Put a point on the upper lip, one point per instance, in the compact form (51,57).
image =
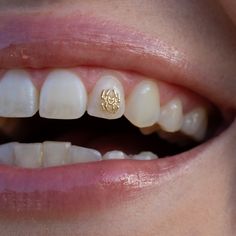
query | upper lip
(50,41)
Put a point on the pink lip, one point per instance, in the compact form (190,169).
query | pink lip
(39,41)
(45,41)
(65,191)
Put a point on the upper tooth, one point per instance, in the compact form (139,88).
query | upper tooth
(63,96)
(171,116)
(18,95)
(80,154)
(7,154)
(144,156)
(107,98)
(55,153)
(143,105)
(28,155)
(113,155)
(195,123)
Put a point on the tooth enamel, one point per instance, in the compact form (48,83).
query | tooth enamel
(79,154)
(28,155)
(7,154)
(63,96)
(18,95)
(149,130)
(107,84)
(143,105)
(195,124)
(171,116)
(114,155)
(55,153)
(145,156)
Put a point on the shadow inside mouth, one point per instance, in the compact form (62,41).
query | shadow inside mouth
(91,132)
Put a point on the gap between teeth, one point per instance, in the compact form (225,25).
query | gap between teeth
(64,96)
(49,154)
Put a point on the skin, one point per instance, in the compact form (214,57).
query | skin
(201,201)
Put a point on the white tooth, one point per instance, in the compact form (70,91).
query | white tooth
(171,116)
(143,104)
(55,153)
(28,155)
(114,155)
(63,96)
(149,130)
(7,154)
(80,154)
(18,95)
(195,124)
(112,104)
(145,156)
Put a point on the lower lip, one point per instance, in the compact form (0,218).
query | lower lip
(76,189)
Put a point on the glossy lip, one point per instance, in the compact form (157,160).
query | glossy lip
(39,42)
(67,41)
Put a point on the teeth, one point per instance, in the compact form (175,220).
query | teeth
(55,153)
(63,96)
(171,116)
(145,156)
(7,154)
(80,154)
(195,124)
(114,155)
(143,105)
(28,155)
(107,99)
(149,130)
(49,154)
(18,96)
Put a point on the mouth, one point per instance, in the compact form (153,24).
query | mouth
(90,118)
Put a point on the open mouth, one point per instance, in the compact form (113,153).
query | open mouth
(69,133)
(160,119)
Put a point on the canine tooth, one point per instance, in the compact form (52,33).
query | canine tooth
(195,124)
(107,98)
(79,154)
(143,105)
(63,96)
(7,154)
(18,95)
(145,156)
(114,155)
(171,116)
(55,153)
(28,155)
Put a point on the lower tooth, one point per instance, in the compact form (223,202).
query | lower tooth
(7,154)
(145,156)
(28,155)
(149,130)
(55,153)
(114,155)
(80,154)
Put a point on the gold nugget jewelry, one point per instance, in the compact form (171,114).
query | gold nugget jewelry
(110,100)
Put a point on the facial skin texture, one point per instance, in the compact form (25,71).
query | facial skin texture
(202,201)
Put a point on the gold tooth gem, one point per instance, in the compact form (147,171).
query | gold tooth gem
(110,100)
